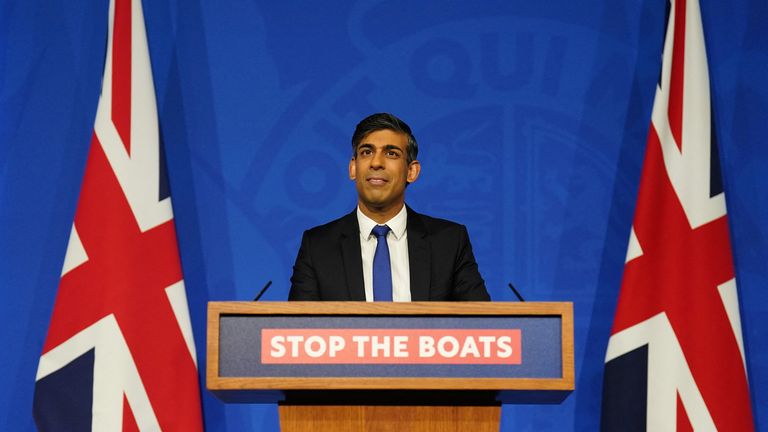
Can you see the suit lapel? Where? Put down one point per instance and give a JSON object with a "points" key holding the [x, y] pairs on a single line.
{"points": [[418, 257], [352, 257]]}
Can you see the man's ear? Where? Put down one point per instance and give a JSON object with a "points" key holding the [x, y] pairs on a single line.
{"points": [[414, 168], [352, 169]]}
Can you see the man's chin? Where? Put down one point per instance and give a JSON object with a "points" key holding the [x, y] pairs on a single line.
{"points": [[376, 199], [380, 204], [377, 205]]}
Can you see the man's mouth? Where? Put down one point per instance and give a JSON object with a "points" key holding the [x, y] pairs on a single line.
{"points": [[376, 181]]}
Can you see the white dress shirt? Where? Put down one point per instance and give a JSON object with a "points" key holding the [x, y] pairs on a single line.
{"points": [[397, 240]]}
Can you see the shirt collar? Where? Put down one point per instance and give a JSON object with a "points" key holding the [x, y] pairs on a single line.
{"points": [[397, 224]]}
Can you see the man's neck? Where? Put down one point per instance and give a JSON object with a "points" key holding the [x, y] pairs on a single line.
{"points": [[381, 215]]}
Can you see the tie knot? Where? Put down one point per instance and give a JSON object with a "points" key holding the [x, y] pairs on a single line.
{"points": [[380, 231]]}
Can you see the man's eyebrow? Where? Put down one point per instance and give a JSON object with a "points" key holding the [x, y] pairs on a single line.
{"points": [[392, 147], [385, 147]]}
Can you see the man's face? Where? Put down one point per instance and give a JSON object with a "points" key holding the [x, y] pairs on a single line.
{"points": [[381, 171]]}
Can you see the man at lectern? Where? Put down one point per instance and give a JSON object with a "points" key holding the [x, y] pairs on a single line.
{"points": [[383, 250]]}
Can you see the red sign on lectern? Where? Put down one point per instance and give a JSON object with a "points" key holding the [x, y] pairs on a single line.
{"points": [[390, 346]]}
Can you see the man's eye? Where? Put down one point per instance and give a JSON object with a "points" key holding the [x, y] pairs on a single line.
{"points": [[393, 154], [365, 152]]}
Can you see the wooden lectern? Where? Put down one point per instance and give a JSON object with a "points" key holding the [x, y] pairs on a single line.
{"points": [[421, 366]]}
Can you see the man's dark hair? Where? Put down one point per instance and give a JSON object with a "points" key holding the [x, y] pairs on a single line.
{"points": [[385, 121]]}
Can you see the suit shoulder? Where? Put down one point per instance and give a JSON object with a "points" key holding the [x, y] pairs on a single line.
{"points": [[435, 225], [344, 224]]}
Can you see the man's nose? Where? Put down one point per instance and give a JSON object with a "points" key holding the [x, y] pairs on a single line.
{"points": [[377, 161]]}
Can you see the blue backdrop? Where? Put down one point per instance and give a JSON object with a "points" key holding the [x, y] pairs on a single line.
{"points": [[532, 119]]}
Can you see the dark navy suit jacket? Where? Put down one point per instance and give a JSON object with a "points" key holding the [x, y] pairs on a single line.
{"points": [[442, 267]]}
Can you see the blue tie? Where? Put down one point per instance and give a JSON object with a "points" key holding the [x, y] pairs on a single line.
{"points": [[382, 272]]}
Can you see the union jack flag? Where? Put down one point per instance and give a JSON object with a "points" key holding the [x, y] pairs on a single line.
{"points": [[675, 359], [119, 354]]}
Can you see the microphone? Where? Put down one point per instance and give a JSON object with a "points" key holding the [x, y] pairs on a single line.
{"points": [[263, 290], [516, 292]]}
